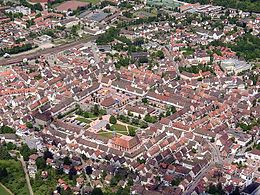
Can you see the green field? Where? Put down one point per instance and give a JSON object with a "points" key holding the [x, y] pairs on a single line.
{"points": [[84, 120], [3, 191], [118, 127], [15, 180], [106, 134]]}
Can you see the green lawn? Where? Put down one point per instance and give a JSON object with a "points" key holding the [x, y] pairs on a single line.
{"points": [[91, 1], [84, 120], [123, 132], [88, 115], [118, 127], [15, 180], [3, 191], [107, 134], [132, 128]]}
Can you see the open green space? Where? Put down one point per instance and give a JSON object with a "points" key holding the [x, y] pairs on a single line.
{"points": [[131, 128], [123, 132], [14, 178], [94, 112], [3, 190], [84, 120], [106, 134], [118, 127], [144, 13]]}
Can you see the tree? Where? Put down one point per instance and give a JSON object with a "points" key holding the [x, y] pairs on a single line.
{"points": [[135, 121], [72, 173], [26, 151], [89, 170], [59, 171], [107, 126], [112, 119], [168, 113], [96, 110], [123, 191], [68, 191], [6, 129], [29, 125], [131, 132], [173, 109], [145, 100], [3, 173], [161, 115], [84, 157], [150, 119], [143, 125], [113, 182], [236, 191], [47, 154], [160, 54], [176, 181], [40, 163], [108, 36], [130, 182], [74, 30], [67, 161], [213, 189], [129, 113], [10, 146], [4, 154], [97, 191]]}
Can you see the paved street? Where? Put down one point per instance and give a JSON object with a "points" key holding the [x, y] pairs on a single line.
{"points": [[215, 159], [84, 168], [196, 180]]}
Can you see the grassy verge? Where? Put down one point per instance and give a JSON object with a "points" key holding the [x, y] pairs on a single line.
{"points": [[3, 190]]}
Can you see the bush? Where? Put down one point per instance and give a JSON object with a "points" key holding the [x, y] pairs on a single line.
{"points": [[107, 126], [26, 152], [6, 129], [132, 132], [40, 163], [112, 119]]}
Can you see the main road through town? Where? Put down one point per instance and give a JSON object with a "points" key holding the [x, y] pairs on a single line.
{"points": [[19, 58], [215, 159]]}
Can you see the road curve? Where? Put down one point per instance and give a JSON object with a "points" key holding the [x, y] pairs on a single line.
{"points": [[18, 59]]}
